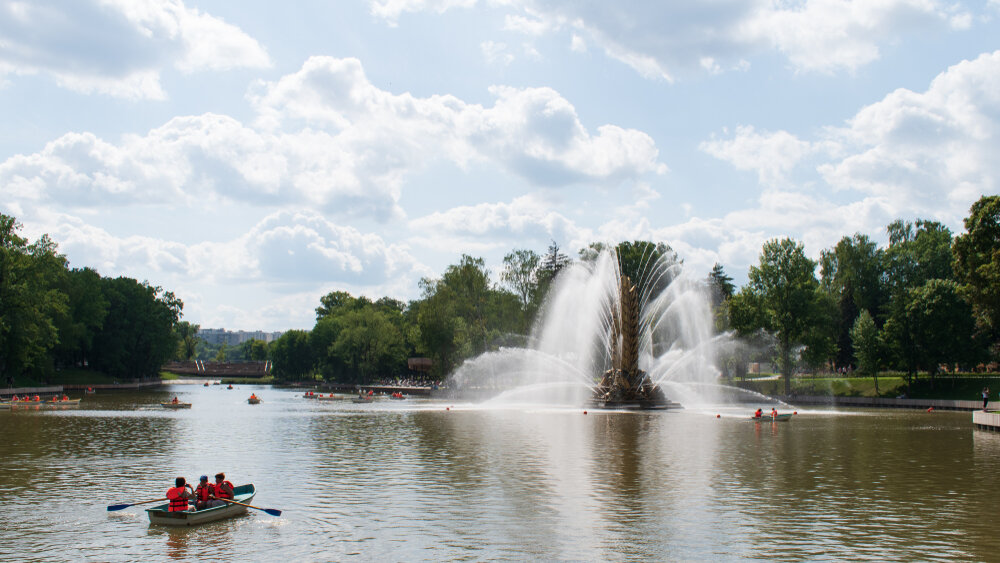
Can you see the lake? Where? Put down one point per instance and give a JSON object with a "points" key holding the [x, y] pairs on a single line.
{"points": [[410, 480]]}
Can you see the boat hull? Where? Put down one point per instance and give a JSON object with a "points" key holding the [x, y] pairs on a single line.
{"points": [[253, 401], [176, 405], [160, 516]]}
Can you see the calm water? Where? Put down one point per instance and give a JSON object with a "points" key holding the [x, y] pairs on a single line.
{"points": [[402, 481]]}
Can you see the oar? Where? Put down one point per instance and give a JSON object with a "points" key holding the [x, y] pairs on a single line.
{"points": [[271, 511], [115, 507]]}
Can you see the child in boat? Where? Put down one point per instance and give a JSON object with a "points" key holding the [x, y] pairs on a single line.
{"points": [[203, 493], [759, 413]]}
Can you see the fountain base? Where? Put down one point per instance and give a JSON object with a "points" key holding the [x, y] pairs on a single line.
{"points": [[615, 393]]}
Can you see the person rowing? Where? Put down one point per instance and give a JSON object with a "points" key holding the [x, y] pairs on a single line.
{"points": [[175, 401], [774, 412], [222, 489], [179, 496]]}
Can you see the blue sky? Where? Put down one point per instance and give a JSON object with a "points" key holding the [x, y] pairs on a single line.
{"points": [[254, 156]]}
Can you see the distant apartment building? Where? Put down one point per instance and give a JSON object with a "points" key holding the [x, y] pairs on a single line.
{"points": [[235, 337]]}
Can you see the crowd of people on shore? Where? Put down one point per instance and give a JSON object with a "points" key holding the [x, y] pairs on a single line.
{"points": [[206, 495]]}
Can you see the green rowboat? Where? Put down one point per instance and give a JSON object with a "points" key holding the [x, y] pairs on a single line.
{"points": [[769, 418], [160, 515]]}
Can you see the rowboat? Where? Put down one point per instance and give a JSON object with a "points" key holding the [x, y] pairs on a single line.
{"points": [[41, 404], [160, 515], [397, 397], [361, 400], [172, 405], [254, 400], [769, 418], [330, 397], [206, 384]]}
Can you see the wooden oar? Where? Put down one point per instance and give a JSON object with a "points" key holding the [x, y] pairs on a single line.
{"points": [[271, 511], [114, 507]]}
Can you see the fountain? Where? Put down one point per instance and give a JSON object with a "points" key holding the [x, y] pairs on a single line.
{"points": [[606, 341]]}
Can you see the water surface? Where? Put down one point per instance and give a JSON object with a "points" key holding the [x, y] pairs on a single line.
{"points": [[410, 480]]}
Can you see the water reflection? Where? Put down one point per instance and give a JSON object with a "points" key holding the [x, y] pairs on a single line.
{"points": [[391, 481]]}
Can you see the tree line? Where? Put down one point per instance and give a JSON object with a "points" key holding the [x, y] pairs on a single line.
{"points": [[925, 300], [54, 317]]}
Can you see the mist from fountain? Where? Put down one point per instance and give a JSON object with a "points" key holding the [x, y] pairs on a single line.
{"points": [[569, 347]]}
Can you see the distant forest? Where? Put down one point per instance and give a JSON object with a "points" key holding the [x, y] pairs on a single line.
{"points": [[926, 300]]}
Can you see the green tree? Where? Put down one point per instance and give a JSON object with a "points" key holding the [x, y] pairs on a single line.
{"points": [[852, 274], [138, 333], [942, 324], [30, 300], [977, 264], [292, 356], [520, 273], [867, 345], [720, 290], [370, 345], [782, 297], [84, 316], [187, 338]]}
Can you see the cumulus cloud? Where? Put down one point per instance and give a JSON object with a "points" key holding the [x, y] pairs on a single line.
{"points": [[290, 248], [661, 39], [910, 155], [496, 225], [118, 47], [771, 155], [327, 138]]}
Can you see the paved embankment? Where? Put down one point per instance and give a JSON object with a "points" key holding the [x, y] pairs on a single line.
{"points": [[60, 389], [879, 402]]}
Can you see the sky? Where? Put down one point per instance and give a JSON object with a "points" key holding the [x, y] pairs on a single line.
{"points": [[253, 156]]}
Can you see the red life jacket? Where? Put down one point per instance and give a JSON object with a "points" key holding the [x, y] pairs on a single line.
{"points": [[202, 493], [177, 501], [219, 493]]}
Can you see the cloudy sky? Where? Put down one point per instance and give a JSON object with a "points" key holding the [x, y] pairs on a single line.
{"points": [[252, 156]]}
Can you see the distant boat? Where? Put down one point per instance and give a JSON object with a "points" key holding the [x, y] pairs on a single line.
{"points": [[160, 515], [172, 405], [769, 418], [230, 387], [362, 400], [254, 400], [206, 384]]}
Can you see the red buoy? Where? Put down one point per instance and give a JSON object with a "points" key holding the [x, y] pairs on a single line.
{"points": [[795, 412], [930, 409], [718, 416], [584, 412], [447, 408]]}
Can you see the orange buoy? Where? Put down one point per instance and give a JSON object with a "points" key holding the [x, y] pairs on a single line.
{"points": [[447, 408], [584, 412], [795, 412], [718, 416]]}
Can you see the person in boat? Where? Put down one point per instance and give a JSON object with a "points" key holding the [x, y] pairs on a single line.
{"points": [[175, 401], [774, 412], [15, 399], [179, 496], [37, 399], [222, 489], [65, 397], [253, 396], [203, 494], [759, 413]]}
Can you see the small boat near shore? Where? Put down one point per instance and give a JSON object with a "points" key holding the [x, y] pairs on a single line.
{"points": [[161, 516], [40, 404], [172, 405], [769, 418], [254, 400], [363, 400], [330, 397]]}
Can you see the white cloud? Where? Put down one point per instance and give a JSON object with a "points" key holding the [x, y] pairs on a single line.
{"points": [[496, 52], [496, 225], [771, 155], [327, 138], [117, 47], [661, 39]]}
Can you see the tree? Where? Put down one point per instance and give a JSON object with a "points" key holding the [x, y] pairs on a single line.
{"points": [[782, 297], [552, 263], [520, 273], [852, 274], [84, 317], [187, 338], [942, 324], [138, 333], [292, 355], [867, 345], [977, 264], [30, 301]]}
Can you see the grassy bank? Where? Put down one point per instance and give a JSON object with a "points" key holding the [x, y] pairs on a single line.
{"points": [[948, 387]]}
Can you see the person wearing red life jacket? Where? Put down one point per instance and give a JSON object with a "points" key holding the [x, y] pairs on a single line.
{"points": [[37, 398], [15, 399], [203, 494], [759, 413], [223, 489], [179, 496]]}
